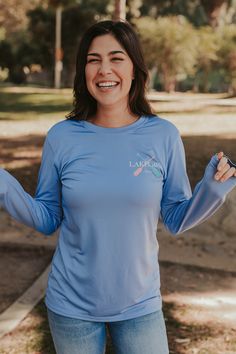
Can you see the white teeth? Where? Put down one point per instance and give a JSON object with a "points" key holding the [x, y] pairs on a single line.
{"points": [[107, 84]]}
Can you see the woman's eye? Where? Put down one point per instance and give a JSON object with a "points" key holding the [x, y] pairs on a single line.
{"points": [[96, 60], [92, 60]]}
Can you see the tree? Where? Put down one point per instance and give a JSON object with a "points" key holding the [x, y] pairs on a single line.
{"points": [[120, 10], [219, 11], [198, 12], [42, 36], [14, 14], [227, 54], [6, 55], [133, 9], [15, 53], [192, 10], [75, 20], [59, 5], [170, 44], [207, 48]]}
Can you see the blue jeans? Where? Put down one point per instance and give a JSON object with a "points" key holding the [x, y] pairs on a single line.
{"points": [[141, 335]]}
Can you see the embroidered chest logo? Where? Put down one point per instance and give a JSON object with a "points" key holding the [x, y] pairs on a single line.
{"points": [[147, 163]]}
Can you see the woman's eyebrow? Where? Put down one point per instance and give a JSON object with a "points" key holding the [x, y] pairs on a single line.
{"points": [[110, 53]]}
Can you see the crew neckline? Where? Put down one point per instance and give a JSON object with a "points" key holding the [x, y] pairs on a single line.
{"points": [[99, 128]]}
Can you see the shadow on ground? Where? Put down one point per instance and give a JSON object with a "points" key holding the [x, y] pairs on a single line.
{"points": [[45, 344], [191, 335]]}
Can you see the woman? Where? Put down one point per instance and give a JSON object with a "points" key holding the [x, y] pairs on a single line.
{"points": [[107, 172]]}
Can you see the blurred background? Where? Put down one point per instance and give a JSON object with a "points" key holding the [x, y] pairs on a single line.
{"points": [[190, 50], [188, 45]]}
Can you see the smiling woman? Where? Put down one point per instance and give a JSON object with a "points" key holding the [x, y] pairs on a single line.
{"points": [[111, 76], [108, 173]]}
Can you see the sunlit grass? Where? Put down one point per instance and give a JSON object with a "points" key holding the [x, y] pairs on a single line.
{"points": [[16, 105], [33, 115], [30, 103]]}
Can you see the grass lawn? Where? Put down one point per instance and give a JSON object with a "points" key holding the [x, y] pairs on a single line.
{"points": [[20, 104], [24, 103]]}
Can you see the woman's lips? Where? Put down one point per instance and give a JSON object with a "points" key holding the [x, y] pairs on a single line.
{"points": [[107, 87]]}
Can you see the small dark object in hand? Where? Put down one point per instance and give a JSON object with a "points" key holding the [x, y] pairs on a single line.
{"points": [[231, 163]]}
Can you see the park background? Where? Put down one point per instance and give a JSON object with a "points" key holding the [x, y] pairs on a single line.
{"points": [[190, 49]]}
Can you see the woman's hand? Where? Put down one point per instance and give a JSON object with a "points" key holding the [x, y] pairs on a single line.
{"points": [[224, 170]]}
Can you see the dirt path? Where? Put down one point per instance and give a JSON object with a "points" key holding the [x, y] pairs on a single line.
{"points": [[20, 266], [188, 124], [199, 308]]}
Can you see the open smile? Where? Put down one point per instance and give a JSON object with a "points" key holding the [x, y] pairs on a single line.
{"points": [[107, 85]]}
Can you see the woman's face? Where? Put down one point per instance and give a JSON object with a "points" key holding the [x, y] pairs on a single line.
{"points": [[108, 72]]}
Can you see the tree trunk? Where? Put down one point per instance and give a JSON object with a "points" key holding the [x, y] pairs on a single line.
{"points": [[215, 10], [120, 10], [169, 80], [206, 80], [152, 75]]}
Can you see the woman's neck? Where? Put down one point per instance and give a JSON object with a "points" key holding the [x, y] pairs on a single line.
{"points": [[112, 118]]}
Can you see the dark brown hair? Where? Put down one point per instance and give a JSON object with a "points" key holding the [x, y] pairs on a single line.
{"points": [[84, 104]]}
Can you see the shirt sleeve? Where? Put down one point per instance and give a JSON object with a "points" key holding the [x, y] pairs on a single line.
{"points": [[180, 208], [44, 211]]}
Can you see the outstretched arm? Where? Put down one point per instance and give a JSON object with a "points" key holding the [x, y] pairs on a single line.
{"points": [[180, 208], [44, 211]]}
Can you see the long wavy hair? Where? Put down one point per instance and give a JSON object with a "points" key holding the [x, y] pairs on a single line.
{"points": [[84, 104]]}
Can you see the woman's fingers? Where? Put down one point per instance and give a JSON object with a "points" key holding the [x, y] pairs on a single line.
{"points": [[220, 155], [224, 171], [229, 173], [223, 161]]}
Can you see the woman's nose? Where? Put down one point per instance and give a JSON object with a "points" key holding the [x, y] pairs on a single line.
{"points": [[104, 68]]}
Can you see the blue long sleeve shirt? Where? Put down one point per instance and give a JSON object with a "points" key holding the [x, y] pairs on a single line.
{"points": [[105, 188]]}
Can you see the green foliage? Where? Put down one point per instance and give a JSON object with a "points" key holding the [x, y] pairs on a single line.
{"points": [[227, 53], [133, 9], [2, 33], [174, 40], [63, 3], [170, 43], [6, 54], [13, 57], [74, 23], [75, 20], [182, 52], [198, 12], [206, 57], [96, 7], [42, 35], [31, 46], [192, 10], [220, 12], [207, 46]]}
